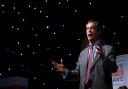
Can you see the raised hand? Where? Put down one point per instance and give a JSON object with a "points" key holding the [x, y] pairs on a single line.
{"points": [[57, 66]]}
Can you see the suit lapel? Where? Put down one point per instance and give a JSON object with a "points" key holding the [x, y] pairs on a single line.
{"points": [[95, 60]]}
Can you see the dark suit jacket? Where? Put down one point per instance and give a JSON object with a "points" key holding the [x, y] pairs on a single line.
{"points": [[101, 69]]}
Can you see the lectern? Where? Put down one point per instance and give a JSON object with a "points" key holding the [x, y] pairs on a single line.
{"points": [[16, 82]]}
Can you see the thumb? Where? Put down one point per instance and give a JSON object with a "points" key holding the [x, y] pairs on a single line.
{"points": [[61, 61]]}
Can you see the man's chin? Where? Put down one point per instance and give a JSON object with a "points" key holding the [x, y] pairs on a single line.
{"points": [[90, 40]]}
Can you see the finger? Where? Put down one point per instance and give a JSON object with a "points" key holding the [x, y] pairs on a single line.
{"points": [[61, 61], [55, 66], [97, 48], [54, 63], [57, 70]]}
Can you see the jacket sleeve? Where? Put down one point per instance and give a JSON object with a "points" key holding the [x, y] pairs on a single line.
{"points": [[109, 62], [72, 74]]}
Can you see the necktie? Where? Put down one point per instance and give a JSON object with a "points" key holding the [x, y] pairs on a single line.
{"points": [[88, 65]]}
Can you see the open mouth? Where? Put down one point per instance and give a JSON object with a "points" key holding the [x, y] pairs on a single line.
{"points": [[89, 34]]}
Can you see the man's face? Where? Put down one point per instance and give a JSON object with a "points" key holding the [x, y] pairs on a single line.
{"points": [[91, 31]]}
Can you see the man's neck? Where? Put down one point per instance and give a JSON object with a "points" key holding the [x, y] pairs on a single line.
{"points": [[93, 42]]}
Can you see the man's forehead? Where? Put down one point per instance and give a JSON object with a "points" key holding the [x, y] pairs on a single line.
{"points": [[90, 24]]}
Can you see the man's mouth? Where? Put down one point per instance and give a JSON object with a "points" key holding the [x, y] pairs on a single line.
{"points": [[89, 34]]}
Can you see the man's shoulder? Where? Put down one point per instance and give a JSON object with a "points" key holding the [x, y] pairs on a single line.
{"points": [[83, 50], [108, 46]]}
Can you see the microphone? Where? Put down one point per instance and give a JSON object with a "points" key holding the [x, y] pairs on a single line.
{"points": [[99, 49]]}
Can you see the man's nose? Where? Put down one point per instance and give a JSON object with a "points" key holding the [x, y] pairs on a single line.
{"points": [[89, 30]]}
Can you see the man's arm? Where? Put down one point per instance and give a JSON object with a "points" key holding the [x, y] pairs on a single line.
{"points": [[110, 61], [72, 74]]}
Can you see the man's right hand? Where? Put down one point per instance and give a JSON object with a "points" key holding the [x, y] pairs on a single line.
{"points": [[58, 67]]}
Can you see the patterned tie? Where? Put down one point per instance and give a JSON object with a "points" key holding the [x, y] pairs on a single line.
{"points": [[88, 65]]}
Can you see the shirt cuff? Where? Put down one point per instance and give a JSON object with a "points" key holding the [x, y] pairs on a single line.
{"points": [[65, 73]]}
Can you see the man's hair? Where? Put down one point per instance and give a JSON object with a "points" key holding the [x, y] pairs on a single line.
{"points": [[98, 26]]}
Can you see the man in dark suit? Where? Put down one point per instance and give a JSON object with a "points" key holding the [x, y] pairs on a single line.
{"points": [[94, 72]]}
